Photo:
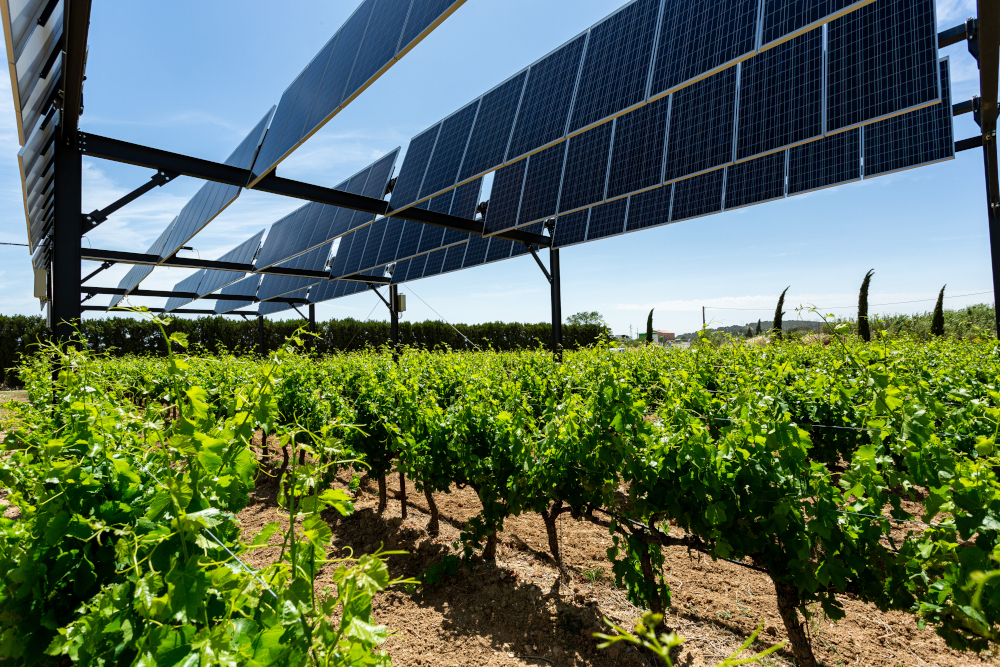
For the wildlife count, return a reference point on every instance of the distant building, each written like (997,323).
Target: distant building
(659,336)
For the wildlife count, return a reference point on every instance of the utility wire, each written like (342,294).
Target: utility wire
(892,303)
(410,287)
(7,243)
(348,347)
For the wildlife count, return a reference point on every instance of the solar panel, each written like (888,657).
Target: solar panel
(399,271)
(781,96)
(213,197)
(352,260)
(882,60)
(466,199)
(505,197)
(571,229)
(409,240)
(755,181)
(637,156)
(375,185)
(35,162)
(375,240)
(411,174)
(701,126)
(910,140)
(585,175)
(416,267)
(442,172)
(518,248)
(189,284)
(607,220)
(475,253)
(430,239)
(499,249)
(616,64)
(272,308)
(544,113)
(33,31)
(454,256)
(494,123)
(697,39)
(246,287)
(390,241)
(244,253)
(375,36)
(540,193)
(138,272)
(783,20)
(649,209)
(698,196)
(830,161)
(435,263)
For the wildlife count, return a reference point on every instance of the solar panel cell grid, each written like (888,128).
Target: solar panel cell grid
(499,249)
(492,131)
(781,96)
(339,267)
(912,139)
(475,254)
(416,270)
(189,284)
(454,257)
(357,251)
(505,197)
(649,209)
(423,16)
(697,38)
(637,156)
(755,181)
(430,239)
(694,197)
(830,161)
(390,242)
(399,271)
(607,219)
(442,173)
(701,126)
(380,44)
(466,199)
(616,64)
(542,117)
(783,18)
(375,239)
(409,240)
(571,229)
(435,262)
(882,59)
(411,174)
(541,184)
(586,168)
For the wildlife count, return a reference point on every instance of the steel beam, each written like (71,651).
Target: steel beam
(96,217)
(76,25)
(989,71)
(183,311)
(66,232)
(186,295)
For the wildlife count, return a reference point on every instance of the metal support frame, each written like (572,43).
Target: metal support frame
(189,295)
(103,267)
(394,321)
(312,325)
(98,216)
(555,293)
(260,335)
(987,51)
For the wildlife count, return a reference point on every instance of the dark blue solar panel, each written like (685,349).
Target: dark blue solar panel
(441,203)
(505,197)
(323,291)
(616,64)
(314,260)
(391,240)
(637,156)
(272,287)
(701,126)
(453,258)
(431,238)
(781,96)
(649,209)
(409,240)
(499,249)
(380,44)
(607,219)
(356,185)
(453,236)
(829,161)
(266,156)
(375,240)
(442,173)
(435,262)
(697,38)
(281,237)
(416,270)
(411,175)
(399,271)
(783,18)
(475,254)
(881,60)
(541,184)
(491,134)
(756,180)
(548,94)
(373,186)
(466,199)
(701,195)
(586,168)
(333,90)
(340,260)
(912,139)
(424,16)
(571,229)
(357,251)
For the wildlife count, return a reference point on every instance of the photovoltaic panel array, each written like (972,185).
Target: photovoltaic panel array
(246,287)
(35,162)
(272,286)
(33,32)
(650,49)
(376,35)
(314,224)
(244,253)
(138,272)
(189,284)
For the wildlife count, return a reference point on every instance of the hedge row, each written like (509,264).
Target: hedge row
(121,336)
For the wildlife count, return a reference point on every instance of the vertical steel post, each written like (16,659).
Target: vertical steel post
(67,229)
(988,43)
(260,335)
(394,320)
(557,339)
(312,325)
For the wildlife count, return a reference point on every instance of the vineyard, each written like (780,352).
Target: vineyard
(845,472)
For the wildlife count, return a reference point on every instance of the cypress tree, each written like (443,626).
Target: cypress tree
(758,328)
(863,330)
(937,321)
(649,327)
(749,332)
(778,312)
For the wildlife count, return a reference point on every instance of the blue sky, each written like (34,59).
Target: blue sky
(194,77)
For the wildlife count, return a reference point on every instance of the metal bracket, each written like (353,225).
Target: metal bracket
(104,266)
(389,187)
(483,207)
(531,249)
(374,288)
(98,216)
(299,312)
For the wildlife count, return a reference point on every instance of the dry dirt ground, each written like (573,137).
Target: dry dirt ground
(517,612)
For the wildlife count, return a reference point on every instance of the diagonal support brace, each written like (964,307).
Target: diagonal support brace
(97,216)
(531,249)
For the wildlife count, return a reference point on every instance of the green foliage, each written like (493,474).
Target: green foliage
(585,317)
(863,329)
(778,315)
(937,320)
(649,327)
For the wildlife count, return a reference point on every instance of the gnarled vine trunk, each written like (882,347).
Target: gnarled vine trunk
(788,603)
(381,494)
(433,527)
(402,494)
(490,550)
(549,516)
(655,602)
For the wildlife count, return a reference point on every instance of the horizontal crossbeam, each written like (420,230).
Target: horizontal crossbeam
(182,311)
(968,144)
(105,148)
(185,295)
(101,255)
(959,33)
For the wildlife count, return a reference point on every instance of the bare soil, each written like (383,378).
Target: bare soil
(516,611)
